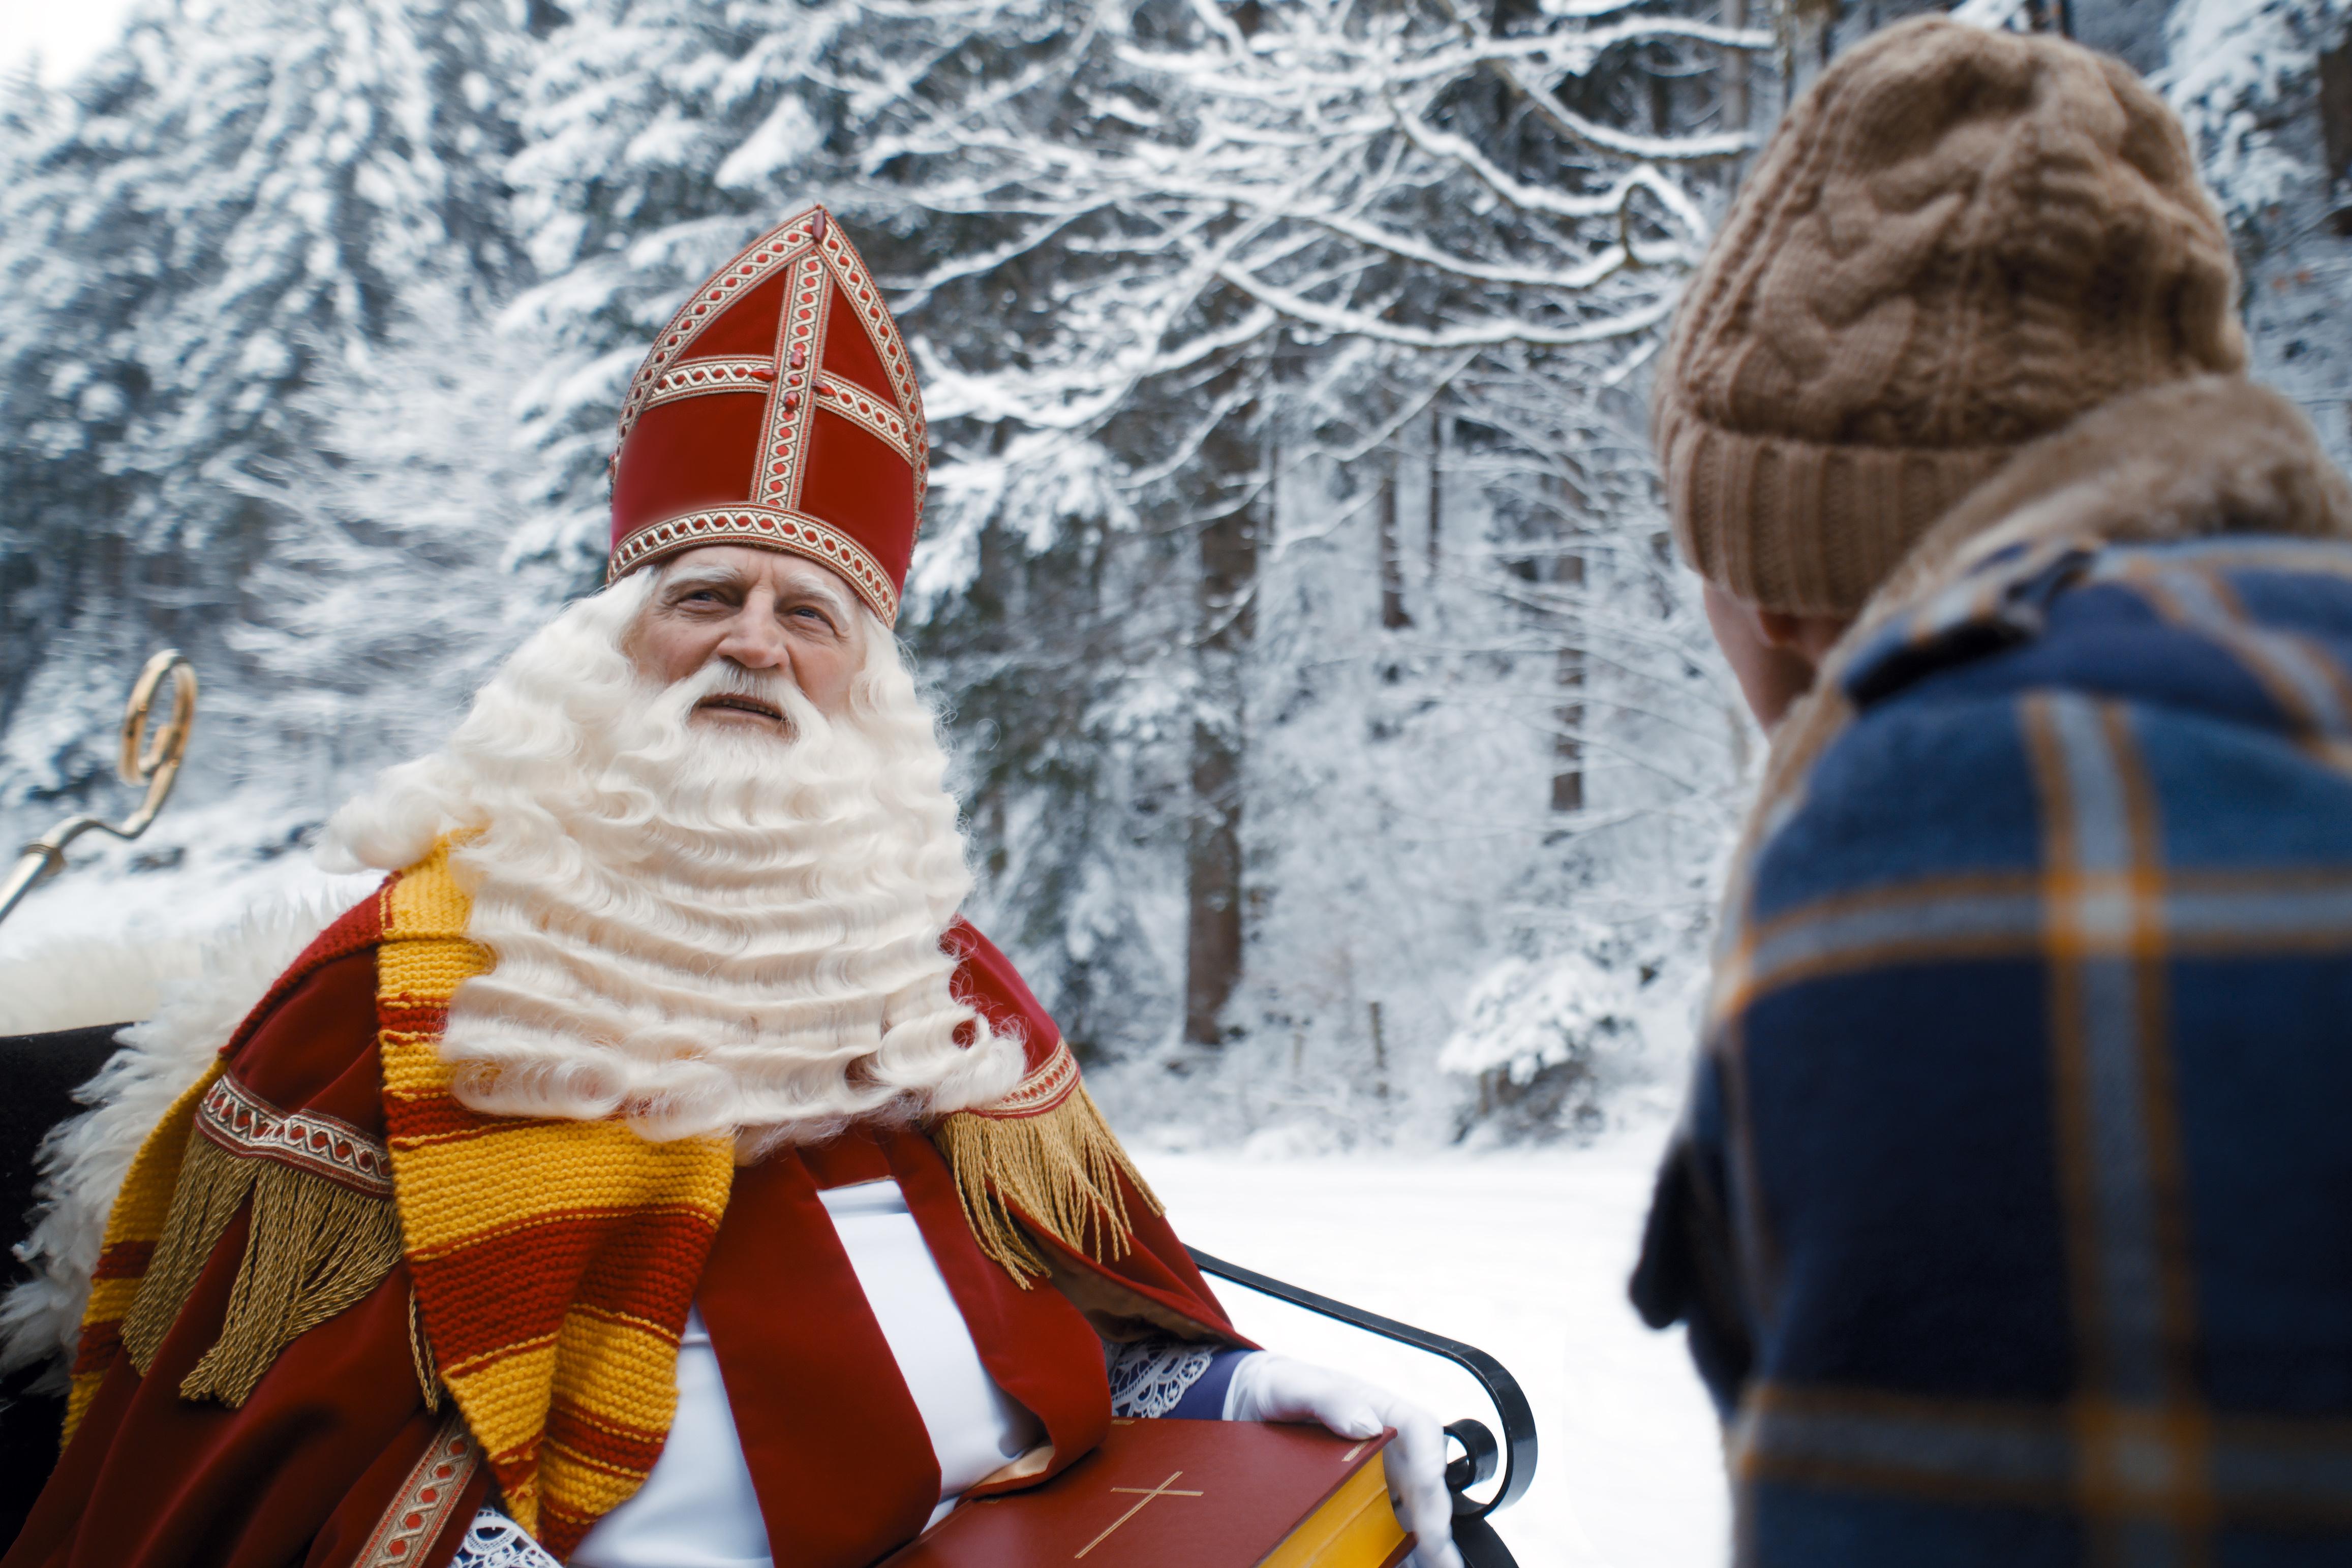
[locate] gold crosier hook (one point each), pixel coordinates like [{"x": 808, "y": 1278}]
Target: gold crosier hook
[{"x": 155, "y": 763}]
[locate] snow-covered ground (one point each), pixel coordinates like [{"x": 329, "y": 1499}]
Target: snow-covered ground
[{"x": 1524, "y": 1256}]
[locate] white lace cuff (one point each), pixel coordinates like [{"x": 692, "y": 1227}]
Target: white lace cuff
[
  {"x": 494, "y": 1540},
  {"x": 1148, "y": 1377}
]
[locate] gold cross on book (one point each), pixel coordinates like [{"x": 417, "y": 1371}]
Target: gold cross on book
[{"x": 1165, "y": 1488}]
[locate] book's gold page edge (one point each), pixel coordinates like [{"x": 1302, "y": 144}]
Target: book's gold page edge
[{"x": 1355, "y": 1529}]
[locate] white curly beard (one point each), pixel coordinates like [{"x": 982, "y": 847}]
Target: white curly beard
[{"x": 698, "y": 930}]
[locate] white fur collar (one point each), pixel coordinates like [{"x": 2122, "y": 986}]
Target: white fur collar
[{"x": 193, "y": 995}]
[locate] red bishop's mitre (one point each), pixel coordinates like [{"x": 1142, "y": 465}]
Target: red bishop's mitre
[{"x": 778, "y": 409}]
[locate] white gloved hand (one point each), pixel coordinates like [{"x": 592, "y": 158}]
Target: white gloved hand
[{"x": 1268, "y": 1388}]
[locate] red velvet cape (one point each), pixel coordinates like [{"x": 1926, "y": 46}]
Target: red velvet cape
[{"x": 309, "y": 1469}]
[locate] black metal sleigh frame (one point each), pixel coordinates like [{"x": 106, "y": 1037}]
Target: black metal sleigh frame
[{"x": 1473, "y": 1536}]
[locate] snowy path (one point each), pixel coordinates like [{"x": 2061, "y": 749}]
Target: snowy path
[{"x": 1524, "y": 1256}]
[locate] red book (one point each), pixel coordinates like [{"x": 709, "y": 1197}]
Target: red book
[{"x": 1187, "y": 1494}]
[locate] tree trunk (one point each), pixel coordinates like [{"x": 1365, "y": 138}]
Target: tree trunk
[
  {"x": 1226, "y": 621},
  {"x": 1393, "y": 612},
  {"x": 1734, "y": 70},
  {"x": 2335, "y": 130},
  {"x": 1436, "y": 488},
  {"x": 1808, "y": 38},
  {"x": 1568, "y": 684}
]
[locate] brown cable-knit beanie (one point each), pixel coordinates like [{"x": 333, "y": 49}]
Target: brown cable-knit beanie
[{"x": 1956, "y": 241}]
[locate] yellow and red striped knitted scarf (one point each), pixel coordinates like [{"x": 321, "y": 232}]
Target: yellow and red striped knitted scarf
[{"x": 554, "y": 1261}]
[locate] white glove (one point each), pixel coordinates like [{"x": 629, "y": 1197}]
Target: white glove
[{"x": 1268, "y": 1388}]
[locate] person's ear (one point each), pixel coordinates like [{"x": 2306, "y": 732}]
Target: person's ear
[
  {"x": 1781, "y": 629},
  {"x": 1810, "y": 637}
]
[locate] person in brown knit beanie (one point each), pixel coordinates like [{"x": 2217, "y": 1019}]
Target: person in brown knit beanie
[
  {"x": 1956, "y": 242},
  {"x": 2007, "y": 1212}
]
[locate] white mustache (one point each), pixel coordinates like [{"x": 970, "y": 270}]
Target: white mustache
[{"x": 725, "y": 678}]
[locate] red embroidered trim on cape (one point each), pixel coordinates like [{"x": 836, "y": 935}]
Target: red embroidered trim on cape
[
  {"x": 243, "y": 1123},
  {"x": 1042, "y": 1089},
  {"x": 425, "y": 1499}
]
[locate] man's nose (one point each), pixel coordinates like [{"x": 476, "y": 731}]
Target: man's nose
[{"x": 755, "y": 642}]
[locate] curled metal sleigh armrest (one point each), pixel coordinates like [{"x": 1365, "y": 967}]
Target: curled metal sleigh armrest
[{"x": 1472, "y": 1535}]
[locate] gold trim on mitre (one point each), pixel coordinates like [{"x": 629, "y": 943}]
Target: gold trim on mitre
[
  {"x": 874, "y": 414},
  {"x": 698, "y": 378},
  {"x": 865, "y": 297},
  {"x": 770, "y": 528},
  {"x": 754, "y": 264}
]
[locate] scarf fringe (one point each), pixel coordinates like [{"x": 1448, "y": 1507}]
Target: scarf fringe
[
  {"x": 1058, "y": 1171},
  {"x": 315, "y": 1248}
]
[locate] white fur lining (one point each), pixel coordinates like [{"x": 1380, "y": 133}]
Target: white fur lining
[
  {"x": 74, "y": 982},
  {"x": 198, "y": 991}
]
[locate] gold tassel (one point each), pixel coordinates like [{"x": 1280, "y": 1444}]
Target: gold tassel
[
  {"x": 420, "y": 1354},
  {"x": 314, "y": 1248},
  {"x": 212, "y": 1187},
  {"x": 1061, "y": 1169}
]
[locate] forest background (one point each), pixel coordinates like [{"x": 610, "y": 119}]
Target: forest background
[{"x": 1344, "y": 757}]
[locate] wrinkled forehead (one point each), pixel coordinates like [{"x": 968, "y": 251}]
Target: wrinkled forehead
[{"x": 744, "y": 567}]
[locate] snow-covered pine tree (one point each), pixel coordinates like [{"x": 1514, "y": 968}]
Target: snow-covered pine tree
[
  {"x": 2265, "y": 89},
  {"x": 206, "y": 234},
  {"x": 397, "y": 578}
]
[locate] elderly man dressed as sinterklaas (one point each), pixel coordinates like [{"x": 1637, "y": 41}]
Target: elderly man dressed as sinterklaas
[{"x": 656, "y": 1170}]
